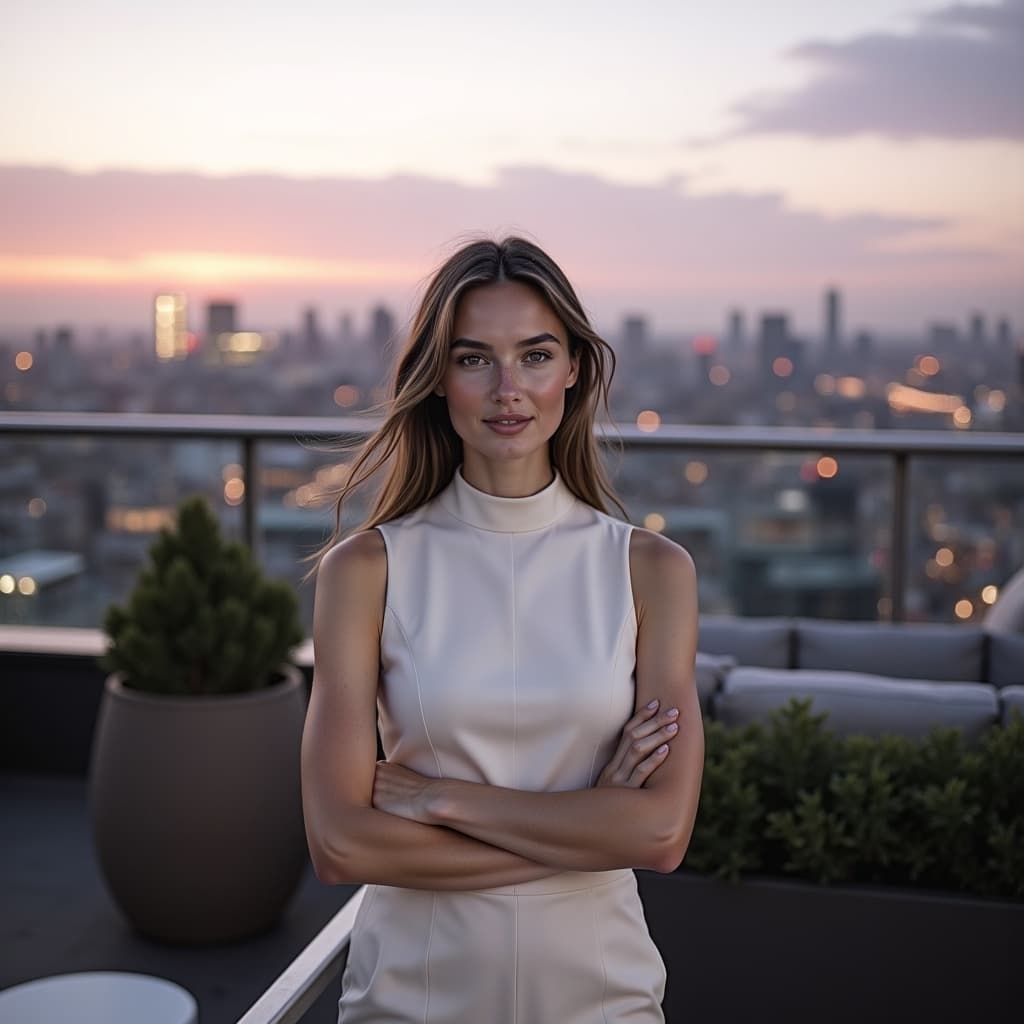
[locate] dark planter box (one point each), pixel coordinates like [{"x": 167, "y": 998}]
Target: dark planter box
[{"x": 772, "y": 950}]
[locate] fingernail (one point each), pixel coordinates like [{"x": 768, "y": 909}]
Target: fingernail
[
  {"x": 663, "y": 749},
  {"x": 672, "y": 728},
  {"x": 673, "y": 712},
  {"x": 652, "y": 705}
]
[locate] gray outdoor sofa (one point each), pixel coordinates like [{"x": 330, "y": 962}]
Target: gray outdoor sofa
[{"x": 871, "y": 678}]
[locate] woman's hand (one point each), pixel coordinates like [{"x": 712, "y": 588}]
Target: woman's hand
[
  {"x": 644, "y": 745},
  {"x": 402, "y": 792}
]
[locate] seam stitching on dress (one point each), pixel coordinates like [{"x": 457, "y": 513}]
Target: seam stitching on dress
[
  {"x": 604, "y": 966},
  {"x": 426, "y": 959},
  {"x": 419, "y": 692}
]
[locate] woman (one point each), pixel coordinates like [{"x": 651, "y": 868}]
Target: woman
[{"x": 529, "y": 660}]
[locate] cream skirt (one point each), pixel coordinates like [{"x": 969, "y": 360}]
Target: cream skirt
[{"x": 570, "y": 949}]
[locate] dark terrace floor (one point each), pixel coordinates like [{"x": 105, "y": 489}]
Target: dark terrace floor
[{"x": 56, "y": 916}]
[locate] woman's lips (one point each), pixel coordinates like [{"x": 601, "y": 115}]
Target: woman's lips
[{"x": 512, "y": 426}]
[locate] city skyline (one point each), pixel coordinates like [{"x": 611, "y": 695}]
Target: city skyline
[
  {"x": 830, "y": 328},
  {"x": 676, "y": 162}
]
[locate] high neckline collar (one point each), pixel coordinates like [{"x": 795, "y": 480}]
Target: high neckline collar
[{"x": 506, "y": 515}]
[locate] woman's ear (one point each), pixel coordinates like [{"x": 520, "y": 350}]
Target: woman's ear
[
  {"x": 439, "y": 391},
  {"x": 574, "y": 371}
]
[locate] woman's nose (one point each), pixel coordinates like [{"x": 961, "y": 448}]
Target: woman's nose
[{"x": 507, "y": 383}]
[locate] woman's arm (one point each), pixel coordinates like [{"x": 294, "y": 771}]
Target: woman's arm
[
  {"x": 604, "y": 827},
  {"x": 349, "y": 840}
]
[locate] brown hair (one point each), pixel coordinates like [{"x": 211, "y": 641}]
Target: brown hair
[{"x": 417, "y": 437}]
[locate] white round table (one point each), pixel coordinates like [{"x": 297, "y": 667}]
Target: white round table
[{"x": 98, "y": 997}]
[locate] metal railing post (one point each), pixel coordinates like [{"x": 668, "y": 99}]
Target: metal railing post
[
  {"x": 250, "y": 507},
  {"x": 898, "y": 538}
]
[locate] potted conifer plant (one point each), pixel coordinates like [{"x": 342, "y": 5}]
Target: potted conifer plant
[{"x": 194, "y": 787}]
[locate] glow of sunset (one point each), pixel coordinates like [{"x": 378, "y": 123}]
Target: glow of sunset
[{"x": 198, "y": 267}]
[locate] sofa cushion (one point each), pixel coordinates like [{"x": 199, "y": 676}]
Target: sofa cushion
[
  {"x": 907, "y": 650},
  {"x": 1012, "y": 698},
  {"x": 754, "y": 641},
  {"x": 1007, "y": 614},
  {"x": 1006, "y": 659},
  {"x": 859, "y": 703},
  {"x": 711, "y": 670}
]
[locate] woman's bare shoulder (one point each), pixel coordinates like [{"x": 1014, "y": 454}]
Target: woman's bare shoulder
[
  {"x": 659, "y": 567},
  {"x": 360, "y": 559}
]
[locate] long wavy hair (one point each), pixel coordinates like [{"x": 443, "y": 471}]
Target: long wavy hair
[{"x": 416, "y": 443}]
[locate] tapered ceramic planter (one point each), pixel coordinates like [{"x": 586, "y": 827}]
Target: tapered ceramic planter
[{"x": 196, "y": 808}]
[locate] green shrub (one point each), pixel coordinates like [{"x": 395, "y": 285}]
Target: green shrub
[
  {"x": 793, "y": 798},
  {"x": 202, "y": 618}
]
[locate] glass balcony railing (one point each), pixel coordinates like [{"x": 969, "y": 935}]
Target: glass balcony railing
[{"x": 900, "y": 525}]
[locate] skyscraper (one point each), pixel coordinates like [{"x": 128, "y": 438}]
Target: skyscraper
[
  {"x": 221, "y": 318},
  {"x": 63, "y": 341},
  {"x": 345, "y": 332},
  {"x": 382, "y": 328},
  {"x": 780, "y": 354},
  {"x": 735, "y": 333},
  {"x": 977, "y": 334},
  {"x": 832, "y": 324},
  {"x": 1003, "y": 333},
  {"x": 312, "y": 340},
  {"x": 170, "y": 326},
  {"x": 634, "y": 333}
]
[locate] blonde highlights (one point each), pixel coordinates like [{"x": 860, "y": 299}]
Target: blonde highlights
[{"x": 416, "y": 445}]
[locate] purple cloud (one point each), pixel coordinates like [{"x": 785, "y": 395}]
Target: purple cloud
[{"x": 959, "y": 75}]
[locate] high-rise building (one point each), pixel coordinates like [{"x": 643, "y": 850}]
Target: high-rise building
[
  {"x": 1004, "y": 336},
  {"x": 63, "y": 341},
  {"x": 780, "y": 354},
  {"x": 170, "y": 326},
  {"x": 735, "y": 333},
  {"x": 774, "y": 338},
  {"x": 312, "y": 339},
  {"x": 704, "y": 348},
  {"x": 634, "y": 333},
  {"x": 832, "y": 321},
  {"x": 382, "y": 328},
  {"x": 221, "y": 318},
  {"x": 977, "y": 330},
  {"x": 345, "y": 332}
]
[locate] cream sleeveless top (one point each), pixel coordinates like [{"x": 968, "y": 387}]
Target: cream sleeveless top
[{"x": 509, "y": 638}]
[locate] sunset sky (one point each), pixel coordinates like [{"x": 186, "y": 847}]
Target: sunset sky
[{"x": 677, "y": 159}]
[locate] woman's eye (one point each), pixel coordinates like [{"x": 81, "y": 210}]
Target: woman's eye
[
  {"x": 544, "y": 356},
  {"x": 463, "y": 361}
]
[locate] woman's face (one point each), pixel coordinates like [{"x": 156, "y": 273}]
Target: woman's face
[{"x": 508, "y": 370}]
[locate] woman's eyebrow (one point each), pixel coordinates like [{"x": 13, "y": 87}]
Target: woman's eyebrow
[{"x": 484, "y": 347}]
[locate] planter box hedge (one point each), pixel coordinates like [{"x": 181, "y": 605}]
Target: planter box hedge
[
  {"x": 793, "y": 799},
  {"x": 904, "y": 899}
]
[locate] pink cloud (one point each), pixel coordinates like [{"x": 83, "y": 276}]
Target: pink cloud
[{"x": 640, "y": 245}]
